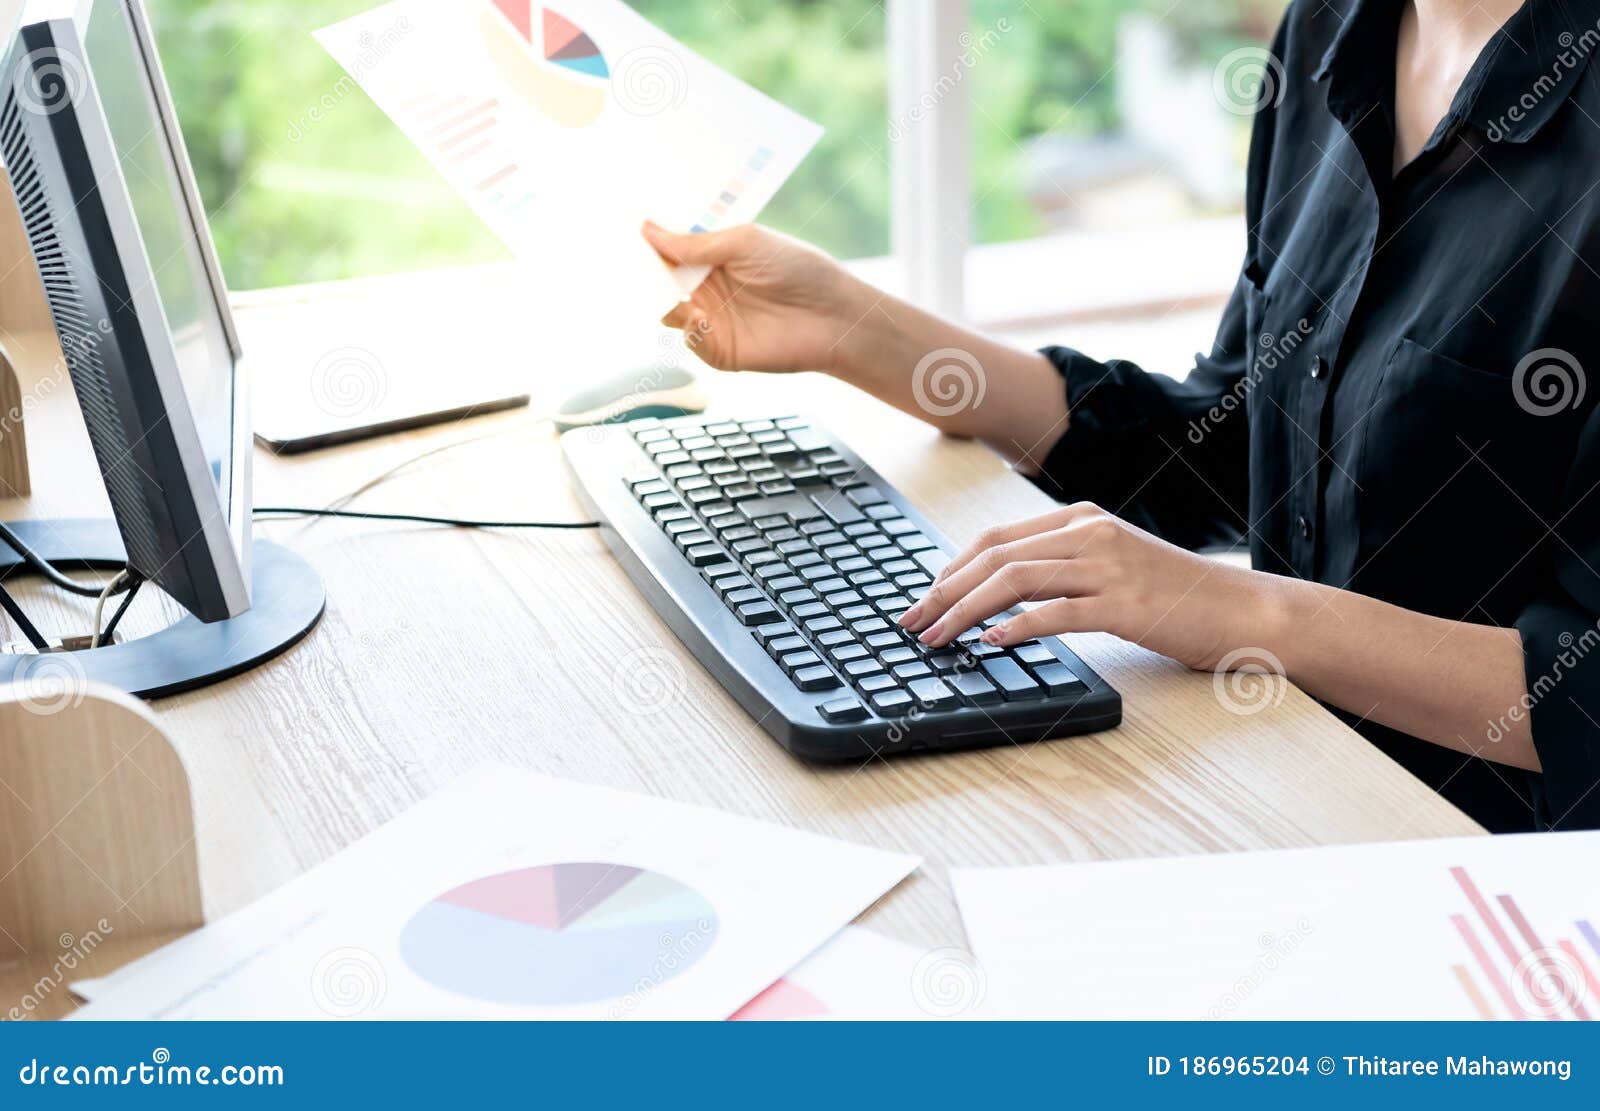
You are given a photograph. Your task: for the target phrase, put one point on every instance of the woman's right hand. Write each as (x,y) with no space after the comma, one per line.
(770,303)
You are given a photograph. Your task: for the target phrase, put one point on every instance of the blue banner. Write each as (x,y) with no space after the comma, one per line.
(811,1065)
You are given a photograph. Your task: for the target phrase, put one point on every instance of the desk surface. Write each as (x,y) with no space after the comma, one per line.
(441,649)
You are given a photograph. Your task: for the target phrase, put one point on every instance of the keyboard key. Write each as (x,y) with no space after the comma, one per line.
(743,597)
(932,694)
(891,702)
(974,688)
(945,661)
(897,653)
(719,571)
(916,542)
(682,527)
(861,669)
(785,645)
(731,584)
(815,679)
(852,614)
(915,670)
(869,625)
(809,610)
(837,509)
(872,684)
(795,661)
(756,613)
(1033,654)
(789,507)
(835,637)
(806,476)
(766,634)
(796,598)
(704,555)
(842,599)
(809,440)
(1058,678)
(842,711)
(1007,674)
(864,496)
(844,653)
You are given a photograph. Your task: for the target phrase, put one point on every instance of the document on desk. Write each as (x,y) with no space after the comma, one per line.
(565,127)
(1469,928)
(862,976)
(512,895)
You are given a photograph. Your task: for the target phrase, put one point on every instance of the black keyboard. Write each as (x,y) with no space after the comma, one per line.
(783,562)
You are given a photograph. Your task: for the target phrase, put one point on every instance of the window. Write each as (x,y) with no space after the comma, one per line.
(977,143)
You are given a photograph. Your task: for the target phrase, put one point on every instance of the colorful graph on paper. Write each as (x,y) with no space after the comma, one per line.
(1480,927)
(559,934)
(1513,972)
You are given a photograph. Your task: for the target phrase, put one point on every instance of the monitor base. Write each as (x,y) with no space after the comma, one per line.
(287,600)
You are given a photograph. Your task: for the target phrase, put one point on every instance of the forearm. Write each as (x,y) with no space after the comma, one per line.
(1446,682)
(1011,399)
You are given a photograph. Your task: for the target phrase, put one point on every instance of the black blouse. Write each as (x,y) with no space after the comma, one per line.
(1397,401)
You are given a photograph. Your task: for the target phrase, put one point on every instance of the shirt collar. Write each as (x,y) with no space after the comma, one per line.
(1523,77)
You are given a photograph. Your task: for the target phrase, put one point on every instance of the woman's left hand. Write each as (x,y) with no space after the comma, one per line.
(1096,573)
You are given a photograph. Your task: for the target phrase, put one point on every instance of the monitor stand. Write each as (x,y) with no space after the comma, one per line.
(287,599)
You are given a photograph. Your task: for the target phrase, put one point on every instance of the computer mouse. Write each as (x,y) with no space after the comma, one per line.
(658,391)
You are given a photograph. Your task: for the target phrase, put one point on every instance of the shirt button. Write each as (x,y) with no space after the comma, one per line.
(1304,524)
(1318,367)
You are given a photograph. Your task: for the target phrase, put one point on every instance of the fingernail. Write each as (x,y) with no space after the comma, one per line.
(909,618)
(994,637)
(930,636)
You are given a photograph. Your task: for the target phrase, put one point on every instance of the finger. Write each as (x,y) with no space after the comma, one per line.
(1061,543)
(1016,582)
(680,316)
(1064,615)
(709,248)
(1006,534)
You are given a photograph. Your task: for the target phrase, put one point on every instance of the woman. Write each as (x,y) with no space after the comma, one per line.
(1394,411)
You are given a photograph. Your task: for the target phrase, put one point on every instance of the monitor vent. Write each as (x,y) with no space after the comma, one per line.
(81,338)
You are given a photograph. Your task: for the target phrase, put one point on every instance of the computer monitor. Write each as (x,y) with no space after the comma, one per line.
(117,230)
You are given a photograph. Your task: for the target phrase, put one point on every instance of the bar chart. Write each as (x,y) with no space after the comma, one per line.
(1526,978)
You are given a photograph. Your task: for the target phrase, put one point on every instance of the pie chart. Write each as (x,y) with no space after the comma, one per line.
(559,934)
(549,60)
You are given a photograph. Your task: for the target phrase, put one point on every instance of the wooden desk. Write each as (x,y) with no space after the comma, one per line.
(441,649)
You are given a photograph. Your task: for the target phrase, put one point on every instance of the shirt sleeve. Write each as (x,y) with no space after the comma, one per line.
(1561,649)
(1171,456)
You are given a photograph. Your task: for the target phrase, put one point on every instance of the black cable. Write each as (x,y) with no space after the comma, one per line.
(43,567)
(289,511)
(116,618)
(20,619)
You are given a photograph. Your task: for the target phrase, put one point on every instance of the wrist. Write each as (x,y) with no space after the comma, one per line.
(1279,616)
(863,336)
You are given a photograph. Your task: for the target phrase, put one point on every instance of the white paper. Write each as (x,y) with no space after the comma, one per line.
(721,906)
(863,976)
(565,158)
(1361,932)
